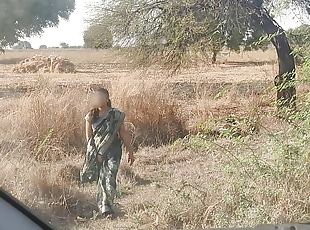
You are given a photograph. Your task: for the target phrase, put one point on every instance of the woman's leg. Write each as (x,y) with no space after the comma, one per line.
(107,185)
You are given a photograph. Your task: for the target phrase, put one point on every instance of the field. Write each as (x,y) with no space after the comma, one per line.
(211,150)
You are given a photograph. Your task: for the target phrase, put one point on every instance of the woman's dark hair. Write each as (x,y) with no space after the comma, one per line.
(95,112)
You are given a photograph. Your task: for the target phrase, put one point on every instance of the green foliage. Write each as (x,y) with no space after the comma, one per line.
(43,47)
(28,17)
(299,36)
(64,45)
(255,38)
(98,36)
(300,41)
(22,45)
(262,173)
(172,29)
(305,71)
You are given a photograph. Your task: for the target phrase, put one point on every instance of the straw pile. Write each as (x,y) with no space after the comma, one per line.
(43,64)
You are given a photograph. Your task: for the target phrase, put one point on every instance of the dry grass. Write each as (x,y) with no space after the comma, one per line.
(240,165)
(225,184)
(85,56)
(51,123)
(150,108)
(78,56)
(50,119)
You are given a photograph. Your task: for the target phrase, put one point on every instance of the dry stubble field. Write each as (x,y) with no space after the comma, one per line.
(211,152)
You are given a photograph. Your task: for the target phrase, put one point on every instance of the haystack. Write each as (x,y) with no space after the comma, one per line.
(43,64)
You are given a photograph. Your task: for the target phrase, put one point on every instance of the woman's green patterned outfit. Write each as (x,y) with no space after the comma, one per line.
(106,143)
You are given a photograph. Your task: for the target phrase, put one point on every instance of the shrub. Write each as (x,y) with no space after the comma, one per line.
(251,181)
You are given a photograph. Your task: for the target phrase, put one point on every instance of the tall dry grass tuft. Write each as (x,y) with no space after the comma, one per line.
(154,113)
(157,120)
(51,122)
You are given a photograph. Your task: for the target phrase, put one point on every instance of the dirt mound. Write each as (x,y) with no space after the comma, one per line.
(43,64)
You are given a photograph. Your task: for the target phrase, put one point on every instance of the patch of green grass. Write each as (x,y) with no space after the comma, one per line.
(192,142)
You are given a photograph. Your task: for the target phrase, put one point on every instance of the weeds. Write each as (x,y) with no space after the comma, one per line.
(267,179)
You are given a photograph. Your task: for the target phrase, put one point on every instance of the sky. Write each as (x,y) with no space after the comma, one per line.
(71,31)
(68,31)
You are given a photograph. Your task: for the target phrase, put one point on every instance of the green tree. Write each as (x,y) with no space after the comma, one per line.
(98,36)
(22,45)
(300,41)
(299,36)
(64,45)
(183,25)
(43,47)
(201,24)
(19,19)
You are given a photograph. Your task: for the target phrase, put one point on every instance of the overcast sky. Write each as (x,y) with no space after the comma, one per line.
(71,31)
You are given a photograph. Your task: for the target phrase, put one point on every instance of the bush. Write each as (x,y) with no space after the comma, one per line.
(156,119)
(299,36)
(22,45)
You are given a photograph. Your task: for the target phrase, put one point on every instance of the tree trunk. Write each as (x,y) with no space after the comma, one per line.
(285,80)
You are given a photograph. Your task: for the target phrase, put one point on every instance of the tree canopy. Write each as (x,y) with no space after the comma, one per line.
(64,45)
(174,28)
(43,47)
(98,36)
(300,36)
(22,45)
(300,40)
(23,18)
(168,30)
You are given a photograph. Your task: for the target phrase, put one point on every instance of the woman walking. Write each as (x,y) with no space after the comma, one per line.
(105,133)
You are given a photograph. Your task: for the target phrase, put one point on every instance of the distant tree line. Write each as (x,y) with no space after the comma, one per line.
(27,45)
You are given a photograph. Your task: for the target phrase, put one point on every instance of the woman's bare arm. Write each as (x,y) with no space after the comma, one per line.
(125,135)
(89,130)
